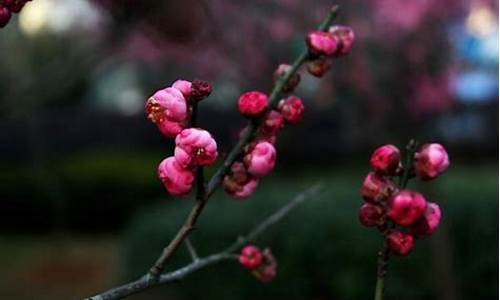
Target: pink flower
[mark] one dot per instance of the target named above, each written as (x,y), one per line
(272,124)
(5,15)
(431,161)
(167,104)
(195,147)
(319,67)
(177,180)
(291,109)
(170,129)
(292,83)
(253,104)
(428,223)
(261,159)
(250,257)
(370,215)
(400,243)
(344,37)
(386,160)
(406,207)
(239,183)
(321,43)
(376,188)
(184,87)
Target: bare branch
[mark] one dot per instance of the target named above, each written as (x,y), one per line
(148,281)
(191,249)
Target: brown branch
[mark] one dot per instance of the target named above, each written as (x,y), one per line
(204,193)
(145,282)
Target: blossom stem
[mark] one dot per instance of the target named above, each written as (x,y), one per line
(384,253)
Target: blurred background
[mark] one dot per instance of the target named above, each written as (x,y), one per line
(81,208)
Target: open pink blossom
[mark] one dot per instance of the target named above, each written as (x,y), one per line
(184,87)
(376,188)
(167,104)
(386,160)
(428,223)
(261,159)
(321,43)
(431,161)
(291,109)
(406,207)
(195,147)
(400,243)
(177,180)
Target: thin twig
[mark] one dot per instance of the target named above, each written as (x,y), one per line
(216,179)
(145,282)
(191,249)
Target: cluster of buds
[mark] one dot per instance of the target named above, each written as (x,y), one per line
(170,109)
(8,7)
(399,213)
(259,156)
(324,46)
(262,264)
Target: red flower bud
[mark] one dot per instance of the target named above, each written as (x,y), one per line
(321,43)
(345,39)
(266,272)
(291,109)
(319,66)
(371,215)
(386,160)
(253,104)
(376,188)
(292,82)
(406,207)
(428,223)
(431,161)
(400,243)
(5,15)
(200,90)
(250,257)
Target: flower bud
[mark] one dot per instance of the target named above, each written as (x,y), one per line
(170,129)
(400,243)
(292,82)
(376,188)
(271,125)
(386,160)
(318,67)
(371,215)
(253,104)
(177,180)
(200,90)
(406,207)
(195,147)
(344,36)
(431,161)
(184,87)
(428,222)
(239,190)
(261,159)
(168,104)
(5,16)
(250,257)
(266,272)
(321,43)
(291,109)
